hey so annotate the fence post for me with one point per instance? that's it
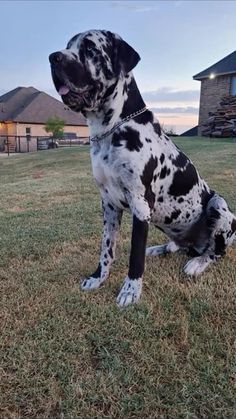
(8, 150)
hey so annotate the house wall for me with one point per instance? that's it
(212, 91)
(3, 131)
(38, 130)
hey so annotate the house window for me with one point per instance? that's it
(233, 86)
(28, 131)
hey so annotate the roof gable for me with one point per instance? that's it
(29, 105)
(225, 66)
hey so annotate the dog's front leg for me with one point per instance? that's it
(132, 287)
(111, 222)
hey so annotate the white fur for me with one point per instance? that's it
(130, 292)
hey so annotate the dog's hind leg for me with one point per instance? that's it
(222, 227)
(162, 249)
(111, 222)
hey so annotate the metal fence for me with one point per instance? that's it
(27, 143)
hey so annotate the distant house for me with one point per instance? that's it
(24, 112)
(217, 81)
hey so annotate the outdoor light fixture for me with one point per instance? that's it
(212, 76)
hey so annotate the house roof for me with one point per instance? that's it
(29, 105)
(190, 132)
(225, 66)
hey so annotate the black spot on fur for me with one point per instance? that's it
(164, 172)
(144, 118)
(219, 245)
(125, 88)
(111, 207)
(148, 140)
(110, 90)
(148, 171)
(105, 157)
(192, 252)
(108, 117)
(97, 273)
(160, 199)
(133, 97)
(212, 216)
(146, 179)
(180, 200)
(233, 225)
(162, 158)
(184, 181)
(206, 196)
(180, 161)
(108, 242)
(116, 140)
(132, 138)
(124, 204)
(110, 252)
(157, 128)
(174, 215)
(138, 247)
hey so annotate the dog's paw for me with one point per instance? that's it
(162, 249)
(91, 283)
(156, 250)
(130, 292)
(197, 265)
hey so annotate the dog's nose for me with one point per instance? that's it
(55, 57)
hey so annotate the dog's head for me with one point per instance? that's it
(91, 63)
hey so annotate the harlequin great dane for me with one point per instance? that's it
(136, 166)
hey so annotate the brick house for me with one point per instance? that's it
(217, 81)
(24, 112)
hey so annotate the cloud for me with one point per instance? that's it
(137, 7)
(179, 109)
(169, 94)
(169, 116)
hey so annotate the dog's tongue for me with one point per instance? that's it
(63, 90)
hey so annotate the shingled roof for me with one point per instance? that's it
(29, 105)
(225, 66)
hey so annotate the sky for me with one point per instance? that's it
(175, 39)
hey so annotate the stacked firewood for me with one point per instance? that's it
(222, 123)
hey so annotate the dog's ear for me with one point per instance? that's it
(125, 57)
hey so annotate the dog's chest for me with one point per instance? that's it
(106, 176)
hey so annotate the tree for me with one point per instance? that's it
(55, 126)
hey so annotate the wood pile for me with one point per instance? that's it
(222, 123)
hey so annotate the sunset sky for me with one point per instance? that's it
(175, 39)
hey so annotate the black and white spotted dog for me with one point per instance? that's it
(136, 166)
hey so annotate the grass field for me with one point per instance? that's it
(67, 354)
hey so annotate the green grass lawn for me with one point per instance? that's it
(68, 354)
